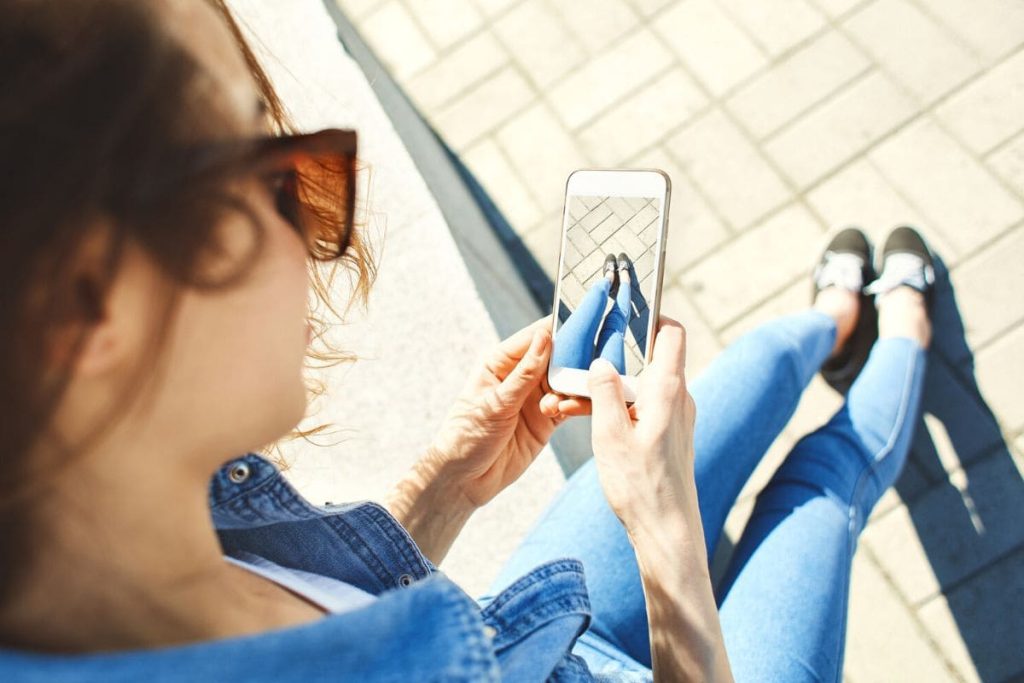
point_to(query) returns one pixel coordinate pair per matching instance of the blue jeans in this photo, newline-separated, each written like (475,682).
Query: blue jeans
(574,342)
(783,600)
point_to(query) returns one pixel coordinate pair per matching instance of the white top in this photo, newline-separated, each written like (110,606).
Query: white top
(330,594)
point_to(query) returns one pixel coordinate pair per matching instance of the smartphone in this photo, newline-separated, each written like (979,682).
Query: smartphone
(610,270)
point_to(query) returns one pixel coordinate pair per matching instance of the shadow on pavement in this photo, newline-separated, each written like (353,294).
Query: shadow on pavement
(968,522)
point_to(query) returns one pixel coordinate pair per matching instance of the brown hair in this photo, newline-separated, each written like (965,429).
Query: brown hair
(96,106)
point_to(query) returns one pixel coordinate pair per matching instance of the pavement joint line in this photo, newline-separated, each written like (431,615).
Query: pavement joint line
(991,453)
(1001,146)
(913,612)
(621,100)
(468,87)
(819,104)
(421,26)
(507,118)
(954,261)
(543,102)
(948,30)
(742,28)
(953,586)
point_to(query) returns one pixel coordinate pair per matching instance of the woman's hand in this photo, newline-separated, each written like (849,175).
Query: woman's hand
(491,435)
(495,429)
(644,457)
(644,452)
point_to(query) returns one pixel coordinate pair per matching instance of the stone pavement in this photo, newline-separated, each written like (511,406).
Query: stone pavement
(777,121)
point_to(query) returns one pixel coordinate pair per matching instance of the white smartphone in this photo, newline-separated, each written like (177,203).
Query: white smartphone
(610,270)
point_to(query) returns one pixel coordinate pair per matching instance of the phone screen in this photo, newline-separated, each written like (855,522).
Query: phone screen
(605,310)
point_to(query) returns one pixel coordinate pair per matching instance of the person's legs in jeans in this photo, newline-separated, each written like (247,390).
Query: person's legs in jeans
(744,399)
(784,608)
(611,342)
(573,345)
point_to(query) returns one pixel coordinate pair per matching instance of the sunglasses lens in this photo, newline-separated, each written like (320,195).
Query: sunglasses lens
(318,200)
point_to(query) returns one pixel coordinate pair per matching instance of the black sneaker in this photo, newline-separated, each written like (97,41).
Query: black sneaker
(610,264)
(847,263)
(906,261)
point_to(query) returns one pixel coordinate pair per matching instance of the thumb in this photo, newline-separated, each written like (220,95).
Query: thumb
(608,403)
(527,374)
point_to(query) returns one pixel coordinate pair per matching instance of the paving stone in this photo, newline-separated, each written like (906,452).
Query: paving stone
(991,109)
(357,9)
(693,228)
(607,78)
(709,43)
(957,429)
(796,297)
(648,8)
(954,530)
(461,68)
(543,154)
(849,122)
(937,62)
(397,40)
(960,197)
(492,169)
(482,108)
(883,636)
(797,82)
(768,256)
(642,119)
(539,41)
(988,289)
(837,8)
(1008,163)
(544,242)
(701,344)
(779,25)
(859,195)
(493,8)
(979,625)
(1000,372)
(446,21)
(992,27)
(728,169)
(600,23)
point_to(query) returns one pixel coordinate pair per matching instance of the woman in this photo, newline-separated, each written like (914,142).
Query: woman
(575,346)
(155,247)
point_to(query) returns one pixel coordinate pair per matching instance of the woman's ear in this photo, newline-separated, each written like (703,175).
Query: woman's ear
(93,314)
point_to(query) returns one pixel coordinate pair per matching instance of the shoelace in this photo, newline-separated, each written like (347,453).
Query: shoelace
(902,268)
(841,269)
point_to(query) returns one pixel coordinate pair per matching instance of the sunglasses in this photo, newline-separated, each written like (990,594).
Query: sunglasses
(312,178)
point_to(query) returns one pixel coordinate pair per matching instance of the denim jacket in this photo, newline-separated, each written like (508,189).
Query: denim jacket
(422,628)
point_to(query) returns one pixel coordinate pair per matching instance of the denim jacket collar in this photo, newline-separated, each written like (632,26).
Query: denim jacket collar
(423,627)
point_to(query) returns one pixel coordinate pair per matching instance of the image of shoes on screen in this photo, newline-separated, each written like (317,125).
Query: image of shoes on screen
(606,281)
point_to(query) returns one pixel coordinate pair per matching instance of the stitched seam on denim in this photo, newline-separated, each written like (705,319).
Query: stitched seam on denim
(399,536)
(511,632)
(539,573)
(881,454)
(354,540)
(474,664)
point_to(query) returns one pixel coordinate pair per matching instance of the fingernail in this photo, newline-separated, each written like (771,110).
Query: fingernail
(601,365)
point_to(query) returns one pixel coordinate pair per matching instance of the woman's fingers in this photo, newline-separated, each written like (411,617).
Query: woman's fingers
(669,347)
(608,403)
(552,405)
(527,372)
(509,352)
